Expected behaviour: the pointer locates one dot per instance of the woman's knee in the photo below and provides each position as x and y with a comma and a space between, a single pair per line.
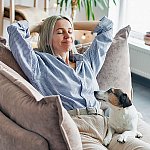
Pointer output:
90, 143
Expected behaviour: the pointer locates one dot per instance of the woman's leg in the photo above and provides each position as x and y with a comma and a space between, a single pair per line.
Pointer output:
90, 143
92, 129
133, 143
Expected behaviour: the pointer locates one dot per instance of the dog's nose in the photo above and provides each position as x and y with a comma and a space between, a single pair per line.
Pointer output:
95, 92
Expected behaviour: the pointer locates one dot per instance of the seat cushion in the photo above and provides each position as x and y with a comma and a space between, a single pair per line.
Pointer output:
21, 102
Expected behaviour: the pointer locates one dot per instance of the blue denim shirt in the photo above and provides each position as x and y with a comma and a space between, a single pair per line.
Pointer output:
52, 76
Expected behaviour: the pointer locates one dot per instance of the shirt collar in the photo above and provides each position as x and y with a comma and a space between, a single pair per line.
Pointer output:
72, 58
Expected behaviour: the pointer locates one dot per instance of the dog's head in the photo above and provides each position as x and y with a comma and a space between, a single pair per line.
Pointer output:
116, 97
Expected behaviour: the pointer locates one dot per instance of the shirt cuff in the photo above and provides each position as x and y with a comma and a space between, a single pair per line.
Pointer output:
104, 25
21, 26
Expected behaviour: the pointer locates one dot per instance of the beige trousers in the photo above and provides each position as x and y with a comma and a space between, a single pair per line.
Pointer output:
93, 129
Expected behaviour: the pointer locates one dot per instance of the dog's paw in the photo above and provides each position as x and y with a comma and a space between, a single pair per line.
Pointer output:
106, 141
122, 139
139, 135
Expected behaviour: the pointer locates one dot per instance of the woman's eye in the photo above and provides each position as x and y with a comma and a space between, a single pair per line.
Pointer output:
59, 32
63, 32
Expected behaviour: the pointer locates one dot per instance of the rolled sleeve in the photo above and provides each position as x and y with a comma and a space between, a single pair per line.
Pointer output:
97, 51
21, 48
104, 25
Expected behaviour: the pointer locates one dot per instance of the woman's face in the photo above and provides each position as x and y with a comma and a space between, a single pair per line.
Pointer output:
62, 40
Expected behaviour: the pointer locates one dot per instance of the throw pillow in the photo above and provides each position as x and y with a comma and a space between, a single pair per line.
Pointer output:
43, 115
116, 69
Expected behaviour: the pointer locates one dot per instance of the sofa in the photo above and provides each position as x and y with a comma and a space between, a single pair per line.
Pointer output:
30, 121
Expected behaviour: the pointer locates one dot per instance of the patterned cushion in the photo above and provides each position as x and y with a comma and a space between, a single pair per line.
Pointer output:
43, 115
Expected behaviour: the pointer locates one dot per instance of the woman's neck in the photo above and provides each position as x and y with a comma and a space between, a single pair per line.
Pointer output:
65, 57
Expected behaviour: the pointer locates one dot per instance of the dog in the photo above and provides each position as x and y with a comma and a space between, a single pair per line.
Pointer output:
123, 116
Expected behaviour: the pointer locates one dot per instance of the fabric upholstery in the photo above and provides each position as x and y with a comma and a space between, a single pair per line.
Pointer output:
43, 115
13, 137
116, 69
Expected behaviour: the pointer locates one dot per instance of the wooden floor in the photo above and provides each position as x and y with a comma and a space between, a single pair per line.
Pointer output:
141, 100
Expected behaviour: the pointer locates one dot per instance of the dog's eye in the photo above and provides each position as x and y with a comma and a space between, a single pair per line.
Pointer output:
110, 91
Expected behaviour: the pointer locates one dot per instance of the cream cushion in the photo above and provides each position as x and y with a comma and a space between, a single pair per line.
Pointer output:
116, 69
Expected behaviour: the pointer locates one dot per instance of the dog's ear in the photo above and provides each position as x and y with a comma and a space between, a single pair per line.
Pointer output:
124, 100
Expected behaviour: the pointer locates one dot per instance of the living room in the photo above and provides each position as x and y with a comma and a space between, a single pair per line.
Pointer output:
120, 13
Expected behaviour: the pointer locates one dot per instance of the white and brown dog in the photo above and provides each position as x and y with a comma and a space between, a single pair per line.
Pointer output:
123, 116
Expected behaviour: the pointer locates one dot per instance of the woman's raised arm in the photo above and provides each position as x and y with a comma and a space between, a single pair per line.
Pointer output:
78, 25
21, 47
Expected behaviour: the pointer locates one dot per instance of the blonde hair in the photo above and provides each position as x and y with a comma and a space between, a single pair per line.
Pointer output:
46, 33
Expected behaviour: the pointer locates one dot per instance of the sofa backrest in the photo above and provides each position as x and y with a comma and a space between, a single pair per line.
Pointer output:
7, 58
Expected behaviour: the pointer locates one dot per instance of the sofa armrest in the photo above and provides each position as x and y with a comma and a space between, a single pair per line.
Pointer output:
16, 138
36, 113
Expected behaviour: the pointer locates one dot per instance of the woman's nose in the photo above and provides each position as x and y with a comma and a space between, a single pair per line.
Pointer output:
67, 35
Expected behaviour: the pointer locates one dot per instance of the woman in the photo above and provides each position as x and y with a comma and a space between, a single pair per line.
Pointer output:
55, 70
